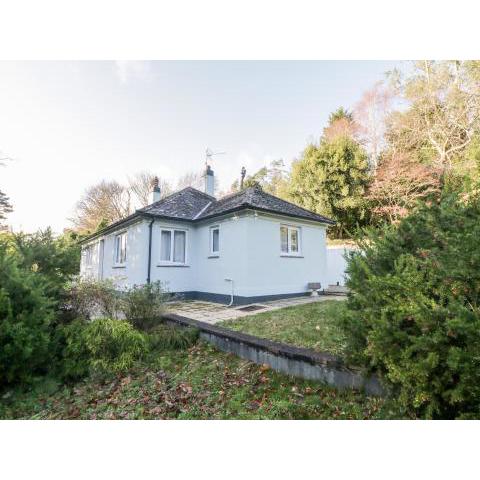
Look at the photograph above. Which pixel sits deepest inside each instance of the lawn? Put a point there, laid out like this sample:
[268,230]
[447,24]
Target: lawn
[314,325]
[197,383]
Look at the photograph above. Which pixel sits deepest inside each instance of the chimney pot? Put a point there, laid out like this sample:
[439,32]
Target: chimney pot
[156,192]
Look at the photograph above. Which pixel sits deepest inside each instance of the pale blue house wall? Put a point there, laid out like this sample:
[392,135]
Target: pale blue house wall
[249,255]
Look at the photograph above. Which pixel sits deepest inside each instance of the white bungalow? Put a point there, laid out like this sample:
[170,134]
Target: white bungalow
[246,247]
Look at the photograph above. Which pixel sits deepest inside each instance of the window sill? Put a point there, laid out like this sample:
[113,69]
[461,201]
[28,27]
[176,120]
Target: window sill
[213,256]
[286,255]
[182,265]
[120,265]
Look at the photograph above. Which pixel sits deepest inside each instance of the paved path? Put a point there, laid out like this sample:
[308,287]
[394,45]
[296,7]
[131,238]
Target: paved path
[213,312]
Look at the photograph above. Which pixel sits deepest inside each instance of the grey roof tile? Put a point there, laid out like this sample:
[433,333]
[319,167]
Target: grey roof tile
[258,199]
[185,204]
[192,204]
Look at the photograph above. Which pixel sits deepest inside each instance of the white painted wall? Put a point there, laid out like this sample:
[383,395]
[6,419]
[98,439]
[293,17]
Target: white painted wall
[336,264]
[249,254]
[269,272]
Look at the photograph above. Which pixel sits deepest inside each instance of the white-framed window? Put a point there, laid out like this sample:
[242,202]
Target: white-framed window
[215,240]
[120,249]
[88,252]
[290,239]
[173,246]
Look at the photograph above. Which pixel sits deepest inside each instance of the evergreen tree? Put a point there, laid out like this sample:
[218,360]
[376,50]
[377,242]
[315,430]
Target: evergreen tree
[331,179]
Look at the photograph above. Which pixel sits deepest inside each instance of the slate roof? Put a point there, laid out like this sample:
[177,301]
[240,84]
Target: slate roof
[193,205]
[256,199]
[184,205]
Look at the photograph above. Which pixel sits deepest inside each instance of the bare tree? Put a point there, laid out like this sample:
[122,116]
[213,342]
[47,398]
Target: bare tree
[101,204]
[140,185]
[191,179]
[370,115]
[443,114]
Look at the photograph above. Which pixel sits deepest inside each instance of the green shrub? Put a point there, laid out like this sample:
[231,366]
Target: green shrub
[102,346]
[143,305]
[413,314]
[56,259]
[95,298]
[169,337]
[26,314]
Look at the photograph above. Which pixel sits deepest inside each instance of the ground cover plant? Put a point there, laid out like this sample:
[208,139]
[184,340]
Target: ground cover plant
[314,325]
[194,383]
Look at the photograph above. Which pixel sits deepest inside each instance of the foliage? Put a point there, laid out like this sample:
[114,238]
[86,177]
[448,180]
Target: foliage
[341,123]
[398,185]
[102,346]
[56,259]
[272,179]
[443,113]
[5,206]
[169,337]
[26,313]
[199,383]
[414,312]
[315,325]
[143,305]
[331,179]
[89,297]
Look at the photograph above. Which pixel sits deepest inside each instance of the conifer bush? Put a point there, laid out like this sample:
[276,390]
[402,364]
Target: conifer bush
[413,314]
[26,316]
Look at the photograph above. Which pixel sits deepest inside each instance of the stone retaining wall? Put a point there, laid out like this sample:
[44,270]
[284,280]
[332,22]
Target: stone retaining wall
[295,361]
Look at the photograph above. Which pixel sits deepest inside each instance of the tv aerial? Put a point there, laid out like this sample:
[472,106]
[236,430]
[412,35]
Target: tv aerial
[209,154]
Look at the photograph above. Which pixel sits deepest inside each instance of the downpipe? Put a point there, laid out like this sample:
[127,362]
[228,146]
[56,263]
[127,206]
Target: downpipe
[231,296]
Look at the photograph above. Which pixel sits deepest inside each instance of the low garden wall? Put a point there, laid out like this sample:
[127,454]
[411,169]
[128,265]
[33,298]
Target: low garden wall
[299,362]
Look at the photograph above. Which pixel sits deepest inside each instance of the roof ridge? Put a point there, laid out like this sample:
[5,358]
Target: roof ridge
[202,210]
[293,204]
[232,195]
[198,191]
[146,208]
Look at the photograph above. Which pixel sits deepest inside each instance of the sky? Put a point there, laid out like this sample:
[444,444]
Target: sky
[68,125]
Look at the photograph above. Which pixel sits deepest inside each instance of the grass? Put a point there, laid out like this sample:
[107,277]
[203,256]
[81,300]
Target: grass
[314,325]
[197,383]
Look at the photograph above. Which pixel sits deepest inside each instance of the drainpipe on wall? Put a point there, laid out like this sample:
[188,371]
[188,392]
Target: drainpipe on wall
[231,296]
[149,268]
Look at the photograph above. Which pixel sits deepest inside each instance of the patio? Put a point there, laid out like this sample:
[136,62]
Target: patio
[212,313]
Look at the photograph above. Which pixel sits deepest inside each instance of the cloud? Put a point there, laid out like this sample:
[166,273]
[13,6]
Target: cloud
[133,70]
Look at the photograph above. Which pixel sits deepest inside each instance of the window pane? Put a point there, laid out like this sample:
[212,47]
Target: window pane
[215,240]
[117,249]
[284,239]
[294,239]
[179,247]
[165,246]
[123,255]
